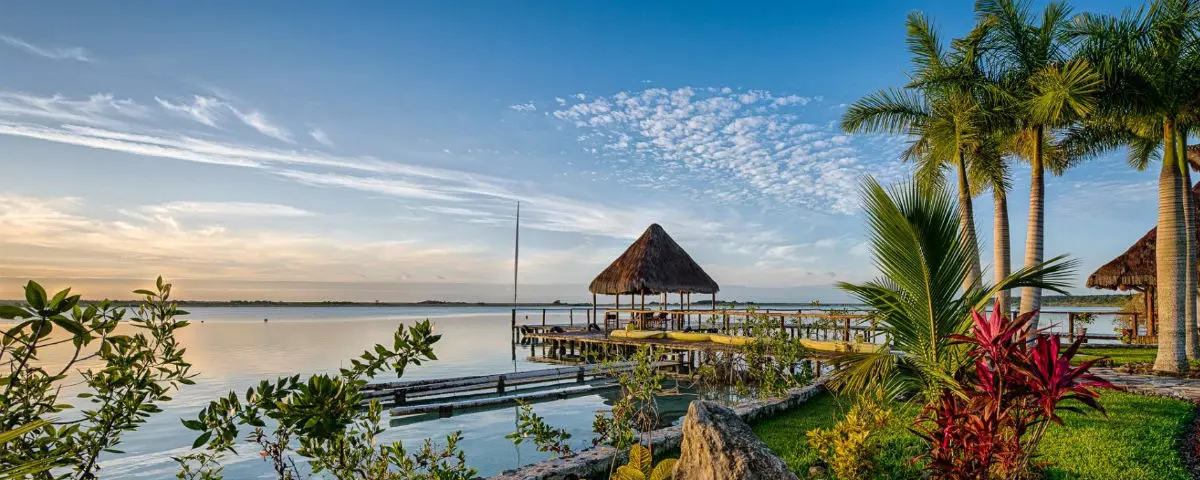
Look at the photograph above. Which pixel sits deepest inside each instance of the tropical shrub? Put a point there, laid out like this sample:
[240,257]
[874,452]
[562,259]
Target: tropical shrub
[849,447]
[545,437]
[124,376]
[641,466]
[773,362]
[322,417]
[1012,389]
[636,412]
[924,259]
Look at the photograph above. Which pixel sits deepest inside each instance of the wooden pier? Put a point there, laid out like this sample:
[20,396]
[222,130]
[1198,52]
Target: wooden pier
[818,324]
[444,395]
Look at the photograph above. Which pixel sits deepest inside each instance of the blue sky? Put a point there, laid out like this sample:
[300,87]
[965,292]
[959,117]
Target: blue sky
[316,151]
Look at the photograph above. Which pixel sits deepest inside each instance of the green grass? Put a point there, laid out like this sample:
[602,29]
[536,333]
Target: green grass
[1118,356]
[1139,439]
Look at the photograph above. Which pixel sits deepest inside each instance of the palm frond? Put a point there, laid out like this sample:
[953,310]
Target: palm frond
[923,259]
[894,111]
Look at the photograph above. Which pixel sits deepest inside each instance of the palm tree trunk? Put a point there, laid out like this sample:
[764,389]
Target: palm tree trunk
[966,219]
[1171,258]
[1031,298]
[1002,260]
[1191,335]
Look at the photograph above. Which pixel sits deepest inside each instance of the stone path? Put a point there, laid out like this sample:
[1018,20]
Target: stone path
[1181,388]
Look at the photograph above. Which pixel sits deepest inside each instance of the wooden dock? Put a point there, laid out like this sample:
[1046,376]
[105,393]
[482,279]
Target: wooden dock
[444,395]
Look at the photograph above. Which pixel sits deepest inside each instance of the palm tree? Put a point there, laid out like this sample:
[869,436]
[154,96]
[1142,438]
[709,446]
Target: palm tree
[1044,91]
[940,110]
[1151,70]
[990,171]
[919,250]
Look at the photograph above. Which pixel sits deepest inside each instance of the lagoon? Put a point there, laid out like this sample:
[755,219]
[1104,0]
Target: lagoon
[231,348]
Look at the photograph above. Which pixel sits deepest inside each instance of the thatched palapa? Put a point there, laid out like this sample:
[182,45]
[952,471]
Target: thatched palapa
[1135,269]
[653,264]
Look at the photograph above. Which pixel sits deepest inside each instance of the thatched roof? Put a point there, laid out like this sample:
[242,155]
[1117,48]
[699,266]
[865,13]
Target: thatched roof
[653,264]
[1136,268]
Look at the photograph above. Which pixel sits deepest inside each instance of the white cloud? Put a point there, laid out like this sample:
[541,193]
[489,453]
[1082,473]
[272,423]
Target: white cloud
[210,110]
[226,209]
[258,121]
[321,137]
[524,107]
[206,110]
[69,53]
[65,237]
[446,195]
[746,146]
[97,109]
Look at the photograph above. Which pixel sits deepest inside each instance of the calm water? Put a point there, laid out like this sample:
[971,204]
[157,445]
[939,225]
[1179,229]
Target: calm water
[232,349]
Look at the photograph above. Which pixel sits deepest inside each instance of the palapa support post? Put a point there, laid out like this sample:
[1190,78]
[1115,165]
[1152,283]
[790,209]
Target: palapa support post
[543,317]
[594,321]
[400,398]
[514,327]
[500,385]
[1071,326]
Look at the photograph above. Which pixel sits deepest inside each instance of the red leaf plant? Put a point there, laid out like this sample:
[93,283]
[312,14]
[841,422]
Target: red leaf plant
[1011,389]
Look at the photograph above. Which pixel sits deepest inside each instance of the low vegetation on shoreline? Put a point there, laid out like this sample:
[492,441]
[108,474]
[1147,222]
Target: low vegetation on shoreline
[1139,439]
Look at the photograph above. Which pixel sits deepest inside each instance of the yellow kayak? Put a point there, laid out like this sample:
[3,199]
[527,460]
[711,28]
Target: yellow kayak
[641,334]
[841,347]
[731,339]
[688,336]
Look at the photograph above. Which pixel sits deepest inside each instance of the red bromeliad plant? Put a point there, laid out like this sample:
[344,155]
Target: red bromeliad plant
[1018,379]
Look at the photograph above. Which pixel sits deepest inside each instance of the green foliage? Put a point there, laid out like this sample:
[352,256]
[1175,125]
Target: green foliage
[773,362]
[1139,440]
[323,417]
[923,259]
[641,466]
[136,370]
[850,447]
[636,412]
[545,437]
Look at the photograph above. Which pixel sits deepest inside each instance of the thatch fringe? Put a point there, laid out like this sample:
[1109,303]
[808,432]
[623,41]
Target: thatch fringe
[653,264]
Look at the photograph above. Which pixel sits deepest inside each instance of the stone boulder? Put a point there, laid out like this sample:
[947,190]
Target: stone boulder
[718,445]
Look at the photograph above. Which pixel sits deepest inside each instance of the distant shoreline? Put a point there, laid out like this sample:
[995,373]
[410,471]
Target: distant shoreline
[1115,300]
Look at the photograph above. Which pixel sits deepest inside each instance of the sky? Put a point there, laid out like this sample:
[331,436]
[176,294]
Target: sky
[376,151]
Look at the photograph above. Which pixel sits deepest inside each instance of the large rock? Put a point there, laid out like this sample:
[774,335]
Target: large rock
[718,445]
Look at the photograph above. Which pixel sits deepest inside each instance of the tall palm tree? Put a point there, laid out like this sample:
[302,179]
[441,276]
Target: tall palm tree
[990,171]
[922,257]
[940,110]
[1150,69]
[1045,91]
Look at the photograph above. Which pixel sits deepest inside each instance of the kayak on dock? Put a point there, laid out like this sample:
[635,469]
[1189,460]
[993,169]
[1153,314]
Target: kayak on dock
[735,340]
[688,336]
[638,334]
[840,347]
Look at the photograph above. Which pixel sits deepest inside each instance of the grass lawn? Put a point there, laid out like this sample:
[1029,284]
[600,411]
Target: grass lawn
[1139,439]
[1119,356]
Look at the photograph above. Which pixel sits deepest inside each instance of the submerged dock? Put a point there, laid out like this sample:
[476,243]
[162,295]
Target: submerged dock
[445,395]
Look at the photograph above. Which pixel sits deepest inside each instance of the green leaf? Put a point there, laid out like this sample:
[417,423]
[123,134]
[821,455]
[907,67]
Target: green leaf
[202,439]
[35,295]
[144,292]
[57,300]
[9,312]
[69,325]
